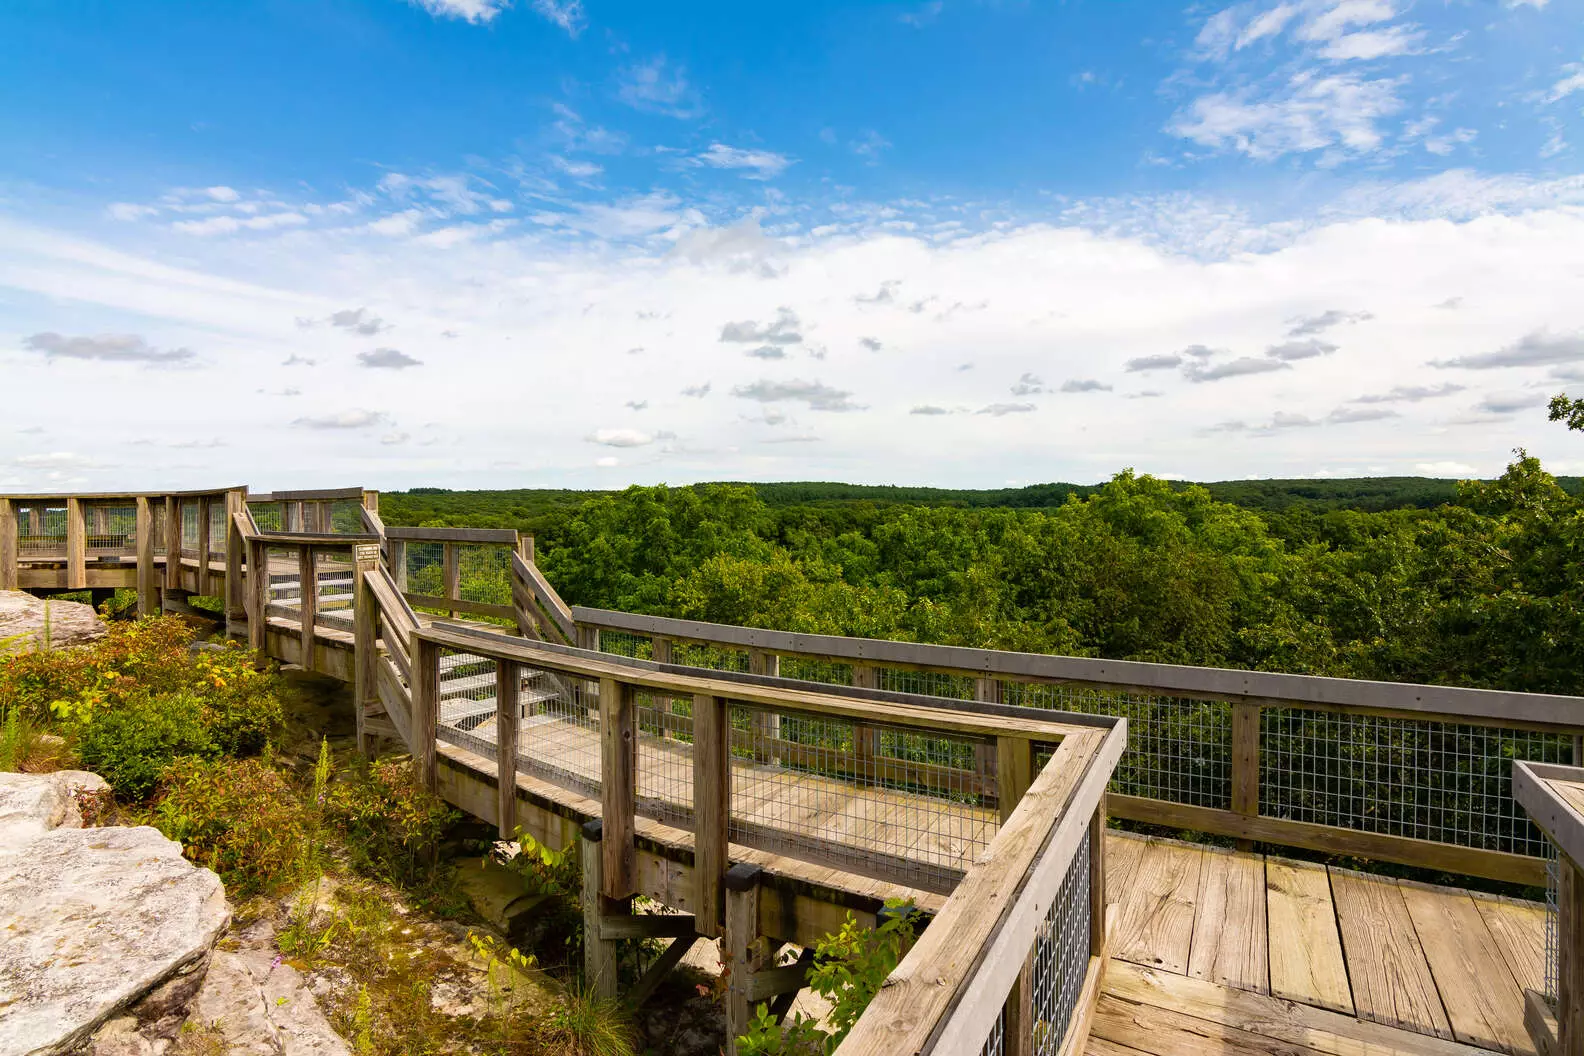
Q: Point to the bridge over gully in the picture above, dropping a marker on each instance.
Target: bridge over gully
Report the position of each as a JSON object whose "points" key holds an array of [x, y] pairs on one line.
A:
{"points": [[760, 785]]}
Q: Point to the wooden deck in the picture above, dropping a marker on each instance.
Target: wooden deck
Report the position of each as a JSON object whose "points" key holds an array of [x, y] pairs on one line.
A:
{"points": [[1221, 952]]}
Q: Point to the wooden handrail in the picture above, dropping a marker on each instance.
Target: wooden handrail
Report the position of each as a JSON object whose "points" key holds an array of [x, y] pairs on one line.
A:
{"points": [[544, 597], [499, 536]]}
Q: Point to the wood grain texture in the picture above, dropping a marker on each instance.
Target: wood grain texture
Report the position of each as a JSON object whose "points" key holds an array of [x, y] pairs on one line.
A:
{"points": [[1306, 962], [1156, 916], [1519, 930], [1483, 1001], [1230, 942], [1392, 982]]}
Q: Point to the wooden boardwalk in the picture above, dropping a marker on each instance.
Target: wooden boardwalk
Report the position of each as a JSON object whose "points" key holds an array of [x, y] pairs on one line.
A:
{"points": [[1222, 952]]}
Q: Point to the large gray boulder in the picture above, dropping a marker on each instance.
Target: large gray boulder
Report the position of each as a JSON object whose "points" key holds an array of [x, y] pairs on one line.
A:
{"points": [[97, 922], [28, 623]]}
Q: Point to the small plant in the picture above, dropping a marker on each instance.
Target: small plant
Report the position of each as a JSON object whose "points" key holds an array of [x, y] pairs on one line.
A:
{"points": [[849, 969], [392, 825], [238, 817], [131, 745], [585, 1025]]}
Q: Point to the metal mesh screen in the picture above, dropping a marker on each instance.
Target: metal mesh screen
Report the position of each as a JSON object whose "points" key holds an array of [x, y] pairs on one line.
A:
{"points": [[485, 574], [334, 594], [1552, 949], [1061, 956], [425, 569], [1178, 750], [1404, 777], [623, 644], [160, 532], [466, 713], [342, 516], [188, 511], [285, 585], [929, 683], [41, 529], [995, 1044], [887, 802], [268, 516], [558, 739], [664, 725], [217, 528], [809, 669], [110, 530]]}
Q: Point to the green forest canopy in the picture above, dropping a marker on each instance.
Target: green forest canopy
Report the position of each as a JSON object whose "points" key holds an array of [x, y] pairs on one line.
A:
{"points": [[1397, 578]]}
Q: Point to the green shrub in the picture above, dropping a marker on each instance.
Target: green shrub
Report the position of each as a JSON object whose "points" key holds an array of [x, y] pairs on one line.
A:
{"points": [[132, 743], [238, 817], [392, 825]]}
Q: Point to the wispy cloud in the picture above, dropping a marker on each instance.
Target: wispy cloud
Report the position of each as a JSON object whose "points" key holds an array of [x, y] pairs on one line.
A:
{"points": [[388, 359], [1000, 410], [756, 164], [784, 331], [109, 348], [697, 392], [1028, 385], [922, 15], [1537, 349], [1411, 393], [1084, 385], [1309, 325], [621, 437], [1164, 361], [660, 88], [568, 14], [475, 11], [348, 419], [1202, 371], [929, 409], [1289, 351], [817, 395]]}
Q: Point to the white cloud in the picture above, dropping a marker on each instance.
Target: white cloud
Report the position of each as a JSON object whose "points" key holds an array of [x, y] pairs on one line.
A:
{"points": [[578, 170], [1266, 24], [658, 87], [568, 14], [1572, 82], [108, 348], [474, 11], [1461, 470], [1373, 44], [388, 359], [621, 437], [354, 418], [1309, 113], [870, 146], [225, 225], [760, 164]]}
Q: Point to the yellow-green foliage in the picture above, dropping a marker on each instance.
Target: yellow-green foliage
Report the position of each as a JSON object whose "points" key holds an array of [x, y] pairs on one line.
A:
{"points": [[391, 824], [238, 817]]}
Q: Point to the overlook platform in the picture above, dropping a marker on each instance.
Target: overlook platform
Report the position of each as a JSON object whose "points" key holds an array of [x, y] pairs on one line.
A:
{"points": [[1217, 951]]}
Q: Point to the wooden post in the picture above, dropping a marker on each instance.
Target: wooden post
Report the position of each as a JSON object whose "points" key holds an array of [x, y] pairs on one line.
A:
{"points": [[365, 654], [425, 707], [525, 548], [1570, 958], [746, 950], [711, 809], [989, 691], [8, 545], [308, 607], [660, 647], [599, 953], [618, 786], [866, 739], [588, 638], [452, 574], [1014, 774], [76, 547], [173, 543], [766, 724], [201, 584], [147, 578], [99, 522], [258, 590], [235, 606], [398, 562], [308, 517], [1245, 763], [508, 706], [1097, 888]]}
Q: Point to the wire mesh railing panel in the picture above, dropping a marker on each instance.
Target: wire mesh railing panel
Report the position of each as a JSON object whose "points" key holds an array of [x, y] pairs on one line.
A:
{"points": [[188, 512], [465, 716], [811, 669], [620, 643], [995, 1044], [41, 529], [929, 683], [217, 529], [484, 574], [558, 737], [425, 569], [715, 657], [110, 530], [1179, 750], [887, 801], [1552, 948], [342, 517], [268, 516], [664, 725], [285, 583], [161, 534], [1416, 778], [334, 579], [1061, 956]]}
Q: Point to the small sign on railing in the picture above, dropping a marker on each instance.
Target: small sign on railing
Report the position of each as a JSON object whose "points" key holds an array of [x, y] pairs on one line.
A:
{"points": [[366, 552]]}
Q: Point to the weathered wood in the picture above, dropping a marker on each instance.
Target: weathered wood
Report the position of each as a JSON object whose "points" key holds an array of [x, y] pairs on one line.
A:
{"points": [[308, 604], [1570, 958], [1245, 763], [1519, 931], [173, 544], [8, 543], [1077, 1037], [365, 622], [1229, 932], [1306, 962], [76, 546], [425, 707], [147, 573], [1540, 1023], [1426, 854], [497, 536], [1099, 937], [1014, 772], [235, 589], [711, 809], [508, 710], [396, 555], [1483, 1002], [1156, 922], [258, 590], [203, 546], [452, 606], [618, 785], [746, 951], [1391, 980], [551, 604], [451, 578], [662, 966]]}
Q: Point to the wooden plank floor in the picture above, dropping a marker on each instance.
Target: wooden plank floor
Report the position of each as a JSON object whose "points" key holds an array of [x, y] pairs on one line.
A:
{"points": [[1215, 951]]}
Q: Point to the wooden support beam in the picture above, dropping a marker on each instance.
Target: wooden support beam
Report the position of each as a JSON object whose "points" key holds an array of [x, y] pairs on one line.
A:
{"points": [[618, 786], [1245, 763], [397, 551], [646, 926], [365, 654], [425, 707], [525, 548], [508, 709], [308, 611], [1014, 772], [258, 591], [660, 969], [235, 590], [147, 576], [866, 739], [76, 546], [746, 951], [1097, 882], [451, 573], [1570, 958], [8, 545], [599, 953], [711, 808], [173, 542]]}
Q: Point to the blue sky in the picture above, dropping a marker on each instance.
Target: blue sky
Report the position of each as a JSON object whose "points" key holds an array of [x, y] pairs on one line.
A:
{"points": [[552, 242]]}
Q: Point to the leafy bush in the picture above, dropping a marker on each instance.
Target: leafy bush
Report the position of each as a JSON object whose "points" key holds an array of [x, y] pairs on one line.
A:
{"points": [[238, 817], [131, 744], [392, 824]]}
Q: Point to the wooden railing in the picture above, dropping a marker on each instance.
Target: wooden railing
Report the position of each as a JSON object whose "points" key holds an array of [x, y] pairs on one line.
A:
{"points": [[1554, 798], [1414, 774]]}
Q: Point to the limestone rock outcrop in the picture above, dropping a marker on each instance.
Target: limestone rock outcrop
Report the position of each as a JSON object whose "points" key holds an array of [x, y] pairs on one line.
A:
{"points": [[28, 623]]}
